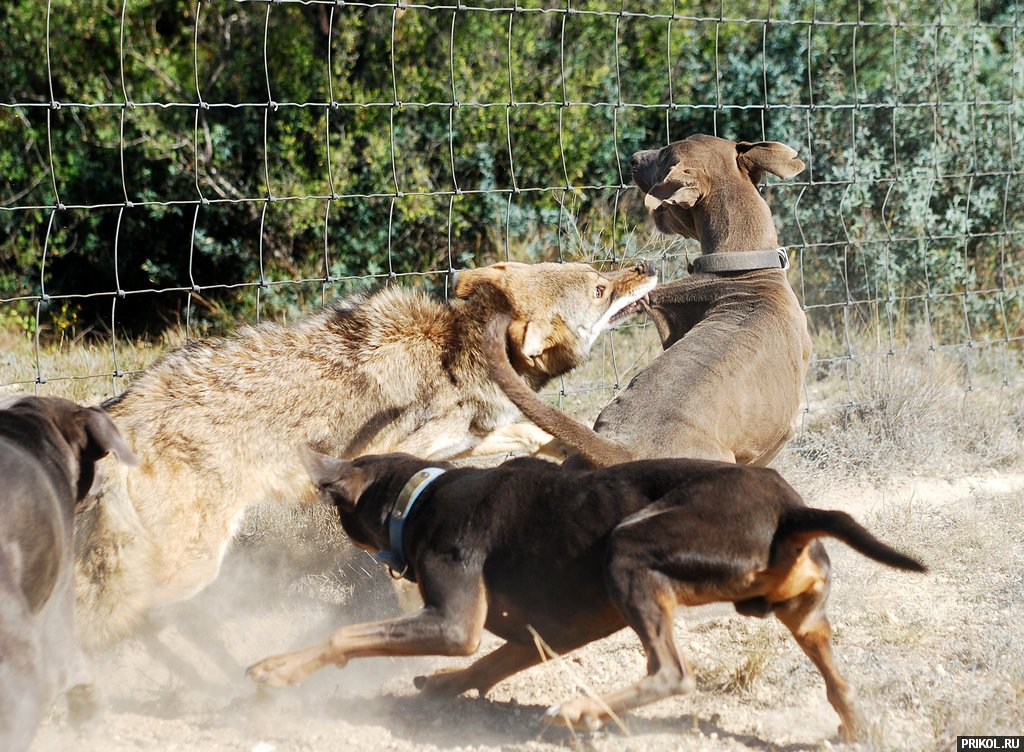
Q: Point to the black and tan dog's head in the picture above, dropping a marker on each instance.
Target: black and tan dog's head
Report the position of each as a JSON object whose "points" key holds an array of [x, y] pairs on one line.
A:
{"points": [[557, 310], [680, 178], [362, 490], [83, 434]]}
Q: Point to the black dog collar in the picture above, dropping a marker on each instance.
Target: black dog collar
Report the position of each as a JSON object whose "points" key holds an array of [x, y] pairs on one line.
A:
{"points": [[741, 261], [395, 558]]}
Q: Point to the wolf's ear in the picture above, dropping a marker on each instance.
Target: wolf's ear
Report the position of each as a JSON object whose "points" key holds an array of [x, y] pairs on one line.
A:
{"points": [[468, 280], [103, 434], [677, 189], [767, 156], [529, 337]]}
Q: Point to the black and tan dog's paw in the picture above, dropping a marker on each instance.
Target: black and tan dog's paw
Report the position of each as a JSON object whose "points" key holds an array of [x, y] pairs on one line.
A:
{"points": [[282, 670], [581, 712], [444, 683]]}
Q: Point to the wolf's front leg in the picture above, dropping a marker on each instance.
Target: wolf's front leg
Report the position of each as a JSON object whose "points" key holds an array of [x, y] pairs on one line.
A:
{"points": [[450, 624], [516, 438]]}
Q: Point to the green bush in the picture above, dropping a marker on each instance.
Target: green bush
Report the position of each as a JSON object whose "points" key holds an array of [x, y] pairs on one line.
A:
{"points": [[907, 211]]}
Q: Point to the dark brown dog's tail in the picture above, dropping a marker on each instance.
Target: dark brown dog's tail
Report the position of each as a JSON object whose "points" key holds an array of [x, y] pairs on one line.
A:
{"points": [[805, 523], [594, 448]]}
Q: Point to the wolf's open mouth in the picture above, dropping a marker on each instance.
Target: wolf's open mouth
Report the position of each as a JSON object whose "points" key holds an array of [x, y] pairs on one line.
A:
{"points": [[628, 312]]}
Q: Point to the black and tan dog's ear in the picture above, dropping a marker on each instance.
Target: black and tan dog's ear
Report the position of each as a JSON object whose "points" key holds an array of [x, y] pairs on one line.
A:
{"points": [[679, 188], [468, 280], [767, 156], [323, 469], [334, 475], [103, 434]]}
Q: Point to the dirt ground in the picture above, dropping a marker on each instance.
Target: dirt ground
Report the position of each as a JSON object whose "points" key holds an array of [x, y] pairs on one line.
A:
{"points": [[932, 656]]}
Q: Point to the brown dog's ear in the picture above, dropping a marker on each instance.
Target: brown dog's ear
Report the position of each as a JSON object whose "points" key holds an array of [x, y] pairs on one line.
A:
{"points": [[677, 189], [468, 280], [337, 475], [767, 156], [104, 435]]}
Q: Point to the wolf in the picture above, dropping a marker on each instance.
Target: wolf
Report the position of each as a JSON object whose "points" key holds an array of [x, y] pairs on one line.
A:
{"points": [[217, 423]]}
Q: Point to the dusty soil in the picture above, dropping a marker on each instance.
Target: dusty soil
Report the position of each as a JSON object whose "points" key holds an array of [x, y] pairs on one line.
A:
{"points": [[932, 656]]}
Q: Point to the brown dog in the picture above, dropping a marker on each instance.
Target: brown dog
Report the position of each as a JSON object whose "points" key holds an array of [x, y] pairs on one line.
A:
{"points": [[578, 555], [218, 422], [729, 383], [48, 449]]}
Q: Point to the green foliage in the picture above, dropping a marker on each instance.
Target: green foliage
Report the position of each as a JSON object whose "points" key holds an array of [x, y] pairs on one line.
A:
{"points": [[904, 209]]}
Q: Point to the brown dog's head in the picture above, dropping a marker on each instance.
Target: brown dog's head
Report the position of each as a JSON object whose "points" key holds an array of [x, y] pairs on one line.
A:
{"points": [[699, 186], [82, 434], [557, 310]]}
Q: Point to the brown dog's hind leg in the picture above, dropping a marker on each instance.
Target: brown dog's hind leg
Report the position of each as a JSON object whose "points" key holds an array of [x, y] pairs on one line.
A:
{"points": [[805, 618], [510, 658], [450, 624], [647, 603]]}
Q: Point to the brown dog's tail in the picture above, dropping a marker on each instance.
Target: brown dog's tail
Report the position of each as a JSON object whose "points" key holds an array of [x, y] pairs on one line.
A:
{"points": [[594, 448], [805, 523]]}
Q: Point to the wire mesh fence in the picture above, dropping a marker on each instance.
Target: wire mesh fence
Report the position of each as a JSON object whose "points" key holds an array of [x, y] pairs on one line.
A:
{"points": [[199, 162]]}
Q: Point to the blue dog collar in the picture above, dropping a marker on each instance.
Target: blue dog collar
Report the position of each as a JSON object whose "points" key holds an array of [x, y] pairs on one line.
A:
{"points": [[395, 558]]}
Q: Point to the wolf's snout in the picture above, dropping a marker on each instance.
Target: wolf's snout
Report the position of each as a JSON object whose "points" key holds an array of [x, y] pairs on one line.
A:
{"points": [[646, 269]]}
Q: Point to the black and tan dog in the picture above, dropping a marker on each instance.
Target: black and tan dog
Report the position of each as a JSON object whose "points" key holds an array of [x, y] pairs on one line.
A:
{"points": [[578, 555], [48, 451]]}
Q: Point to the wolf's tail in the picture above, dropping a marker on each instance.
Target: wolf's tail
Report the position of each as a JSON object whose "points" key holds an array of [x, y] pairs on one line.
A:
{"points": [[597, 450], [805, 523]]}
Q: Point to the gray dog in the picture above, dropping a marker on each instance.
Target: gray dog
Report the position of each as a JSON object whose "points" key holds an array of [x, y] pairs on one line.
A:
{"points": [[48, 451]]}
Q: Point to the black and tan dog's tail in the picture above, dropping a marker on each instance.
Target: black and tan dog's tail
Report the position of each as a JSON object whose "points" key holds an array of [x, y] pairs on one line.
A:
{"points": [[597, 450], [805, 523]]}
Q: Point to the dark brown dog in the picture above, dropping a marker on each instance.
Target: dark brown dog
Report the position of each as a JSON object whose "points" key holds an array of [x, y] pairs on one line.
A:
{"points": [[48, 449], [578, 555], [729, 383]]}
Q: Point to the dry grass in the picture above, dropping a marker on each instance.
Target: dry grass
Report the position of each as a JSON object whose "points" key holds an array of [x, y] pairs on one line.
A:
{"points": [[873, 414]]}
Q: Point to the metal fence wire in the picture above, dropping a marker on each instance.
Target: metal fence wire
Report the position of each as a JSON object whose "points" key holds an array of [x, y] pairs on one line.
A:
{"points": [[503, 130]]}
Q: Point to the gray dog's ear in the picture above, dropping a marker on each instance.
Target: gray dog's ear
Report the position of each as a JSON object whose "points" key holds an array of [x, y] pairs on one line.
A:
{"points": [[767, 156], [104, 434], [679, 188]]}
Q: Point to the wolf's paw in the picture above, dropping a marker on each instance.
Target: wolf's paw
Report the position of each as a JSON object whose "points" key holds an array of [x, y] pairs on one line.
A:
{"points": [[852, 730], [84, 704], [580, 712]]}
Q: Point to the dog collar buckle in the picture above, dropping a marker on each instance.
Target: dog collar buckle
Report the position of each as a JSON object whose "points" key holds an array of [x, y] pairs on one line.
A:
{"points": [[394, 558]]}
